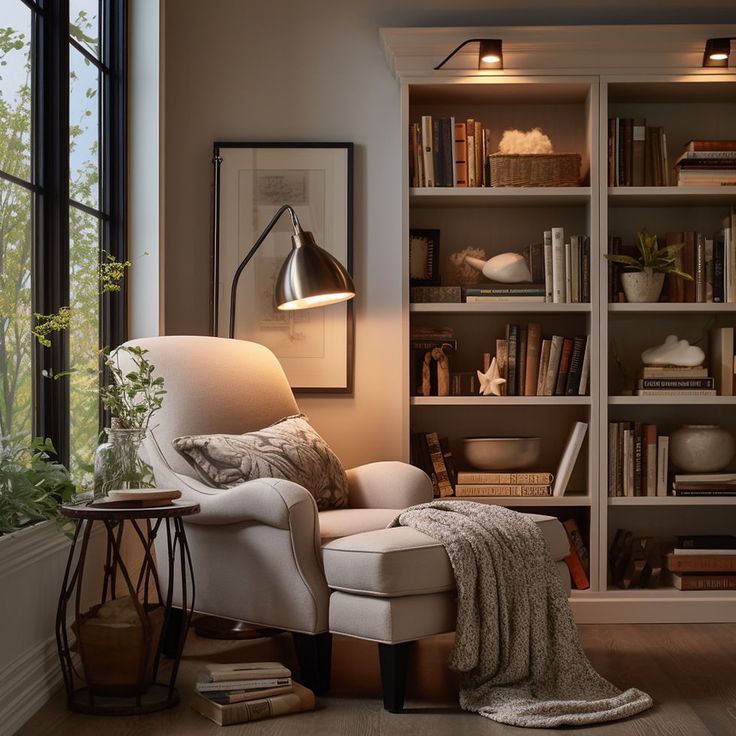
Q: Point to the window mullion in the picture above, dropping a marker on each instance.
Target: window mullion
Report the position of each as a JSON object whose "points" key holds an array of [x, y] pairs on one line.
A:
{"points": [[51, 247]]}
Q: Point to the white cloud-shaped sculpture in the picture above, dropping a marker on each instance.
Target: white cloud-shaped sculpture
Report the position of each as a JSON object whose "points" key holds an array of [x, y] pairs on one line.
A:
{"points": [[506, 268], [674, 351]]}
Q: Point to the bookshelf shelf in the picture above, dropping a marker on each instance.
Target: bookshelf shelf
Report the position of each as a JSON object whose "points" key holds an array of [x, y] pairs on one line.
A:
{"points": [[672, 400], [672, 501], [673, 308], [670, 196], [486, 401], [498, 196], [514, 501], [502, 307]]}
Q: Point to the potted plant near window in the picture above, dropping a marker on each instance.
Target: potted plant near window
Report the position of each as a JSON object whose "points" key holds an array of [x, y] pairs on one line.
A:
{"points": [[132, 397], [643, 279]]}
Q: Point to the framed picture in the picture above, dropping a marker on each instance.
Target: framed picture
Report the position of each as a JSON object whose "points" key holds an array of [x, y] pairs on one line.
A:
{"points": [[424, 257], [252, 180]]}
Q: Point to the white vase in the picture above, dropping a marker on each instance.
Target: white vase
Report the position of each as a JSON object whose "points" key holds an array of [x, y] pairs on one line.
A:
{"points": [[642, 286], [701, 448]]}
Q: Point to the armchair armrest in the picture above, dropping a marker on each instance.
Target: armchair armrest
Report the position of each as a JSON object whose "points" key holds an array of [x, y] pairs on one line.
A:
{"points": [[388, 485]]}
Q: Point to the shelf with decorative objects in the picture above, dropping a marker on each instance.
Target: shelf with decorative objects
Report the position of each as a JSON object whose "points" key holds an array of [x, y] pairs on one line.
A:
{"points": [[631, 76]]}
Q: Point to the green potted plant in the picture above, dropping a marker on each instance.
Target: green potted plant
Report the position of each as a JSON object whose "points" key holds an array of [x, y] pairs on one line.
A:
{"points": [[132, 396], [643, 279]]}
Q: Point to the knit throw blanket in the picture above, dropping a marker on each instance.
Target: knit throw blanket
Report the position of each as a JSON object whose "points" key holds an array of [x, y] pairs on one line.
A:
{"points": [[516, 642]]}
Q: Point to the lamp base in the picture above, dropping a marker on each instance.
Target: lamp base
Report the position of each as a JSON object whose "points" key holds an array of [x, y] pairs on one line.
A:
{"points": [[214, 627]]}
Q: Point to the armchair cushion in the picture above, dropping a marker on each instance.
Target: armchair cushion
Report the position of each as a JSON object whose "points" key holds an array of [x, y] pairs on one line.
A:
{"points": [[289, 449]]}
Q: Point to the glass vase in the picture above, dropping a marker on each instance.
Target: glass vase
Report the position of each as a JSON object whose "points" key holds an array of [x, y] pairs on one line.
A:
{"points": [[118, 464]]}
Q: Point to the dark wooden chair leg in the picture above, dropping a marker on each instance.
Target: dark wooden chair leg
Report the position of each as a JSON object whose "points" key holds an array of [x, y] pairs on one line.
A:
{"points": [[394, 660], [314, 654], [171, 637]]}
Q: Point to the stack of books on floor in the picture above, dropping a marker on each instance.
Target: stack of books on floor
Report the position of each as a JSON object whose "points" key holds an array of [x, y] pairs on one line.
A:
{"points": [[708, 484], [675, 381], [238, 693], [708, 564], [707, 163]]}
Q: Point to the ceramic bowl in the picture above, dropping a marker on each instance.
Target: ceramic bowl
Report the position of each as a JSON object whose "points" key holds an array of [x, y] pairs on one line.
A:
{"points": [[502, 453]]}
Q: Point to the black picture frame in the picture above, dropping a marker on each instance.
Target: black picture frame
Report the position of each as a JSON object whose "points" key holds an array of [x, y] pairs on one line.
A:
{"points": [[424, 257], [318, 179]]}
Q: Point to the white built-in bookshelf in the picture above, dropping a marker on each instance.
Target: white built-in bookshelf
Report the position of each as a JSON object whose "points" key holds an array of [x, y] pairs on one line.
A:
{"points": [[569, 81]]}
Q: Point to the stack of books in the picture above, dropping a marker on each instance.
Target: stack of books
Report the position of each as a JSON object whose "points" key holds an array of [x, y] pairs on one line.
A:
{"points": [[675, 381], [708, 484], [707, 163], [537, 366], [703, 568], [638, 458], [504, 293], [480, 483], [237, 693]]}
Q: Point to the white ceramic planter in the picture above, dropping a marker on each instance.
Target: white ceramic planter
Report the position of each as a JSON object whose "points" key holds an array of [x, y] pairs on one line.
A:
{"points": [[701, 448], [642, 286]]}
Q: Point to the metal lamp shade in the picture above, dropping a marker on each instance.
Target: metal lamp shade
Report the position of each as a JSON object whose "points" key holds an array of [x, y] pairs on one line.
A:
{"points": [[311, 277]]}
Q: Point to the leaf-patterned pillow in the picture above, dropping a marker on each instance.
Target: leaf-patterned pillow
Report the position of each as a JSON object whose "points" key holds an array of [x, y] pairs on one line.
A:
{"points": [[290, 449]]}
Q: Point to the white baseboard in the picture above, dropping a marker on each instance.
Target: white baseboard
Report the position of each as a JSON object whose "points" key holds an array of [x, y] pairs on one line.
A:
{"points": [[27, 683]]}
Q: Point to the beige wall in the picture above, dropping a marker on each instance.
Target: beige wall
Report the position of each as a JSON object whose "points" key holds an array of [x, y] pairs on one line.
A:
{"points": [[293, 70]]}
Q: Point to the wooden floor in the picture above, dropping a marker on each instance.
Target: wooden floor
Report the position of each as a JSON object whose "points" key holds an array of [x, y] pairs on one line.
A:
{"points": [[690, 671]]}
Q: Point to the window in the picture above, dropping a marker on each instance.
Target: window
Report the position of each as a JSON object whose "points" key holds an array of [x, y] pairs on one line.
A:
{"points": [[62, 113]]}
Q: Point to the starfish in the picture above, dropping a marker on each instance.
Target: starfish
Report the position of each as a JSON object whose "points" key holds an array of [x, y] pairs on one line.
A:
{"points": [[491, 381]]}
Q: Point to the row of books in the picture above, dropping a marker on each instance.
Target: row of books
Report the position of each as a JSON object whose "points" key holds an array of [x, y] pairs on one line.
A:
{"points": [[432, 453], [448, 153], [707, 163], [637, 154], [534, 365], [638, 459], [250, 691], [695, 562], [711, 261]]}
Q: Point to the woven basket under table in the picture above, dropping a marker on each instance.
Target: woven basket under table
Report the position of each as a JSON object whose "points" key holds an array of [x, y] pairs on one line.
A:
{"points": [[535, 170]]}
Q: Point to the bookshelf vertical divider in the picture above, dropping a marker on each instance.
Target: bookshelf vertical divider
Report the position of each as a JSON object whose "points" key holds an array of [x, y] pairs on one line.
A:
{"points": [[573, 108]]}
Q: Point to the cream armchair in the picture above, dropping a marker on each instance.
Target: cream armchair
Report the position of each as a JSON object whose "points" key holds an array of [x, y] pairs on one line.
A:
{"points": [[256, 548]]}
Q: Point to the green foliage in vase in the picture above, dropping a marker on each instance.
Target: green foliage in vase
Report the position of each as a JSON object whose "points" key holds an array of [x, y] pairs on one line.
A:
{"points": [[32, 484], [651, 256], [132, 396]]}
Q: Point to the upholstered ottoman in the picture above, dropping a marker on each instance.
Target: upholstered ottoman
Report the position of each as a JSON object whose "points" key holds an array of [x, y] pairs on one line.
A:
{"points": [[394, 586]]}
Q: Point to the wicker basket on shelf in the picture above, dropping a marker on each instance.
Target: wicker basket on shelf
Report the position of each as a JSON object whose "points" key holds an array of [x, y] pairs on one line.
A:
{"points": [[535, 170]]}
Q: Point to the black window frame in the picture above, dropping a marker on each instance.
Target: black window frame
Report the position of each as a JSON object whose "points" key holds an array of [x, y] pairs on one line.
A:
{"points": [[49, 186]]}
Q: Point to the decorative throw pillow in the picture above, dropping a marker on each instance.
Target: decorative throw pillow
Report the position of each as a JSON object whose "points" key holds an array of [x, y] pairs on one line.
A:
{"points": [[290, 449]]}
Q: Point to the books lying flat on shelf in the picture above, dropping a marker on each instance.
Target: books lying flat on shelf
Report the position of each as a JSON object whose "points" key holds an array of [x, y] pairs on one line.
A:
{"points": [[710, 166], [491, 489], [703, 581], [569, 458], [476, 477], [299, 700], [706, 541], [703, 563], [715, 484]]}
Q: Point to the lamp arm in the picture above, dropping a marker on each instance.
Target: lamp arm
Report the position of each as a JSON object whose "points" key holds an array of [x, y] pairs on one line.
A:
{"points": [[251, 253], [454, 51]]}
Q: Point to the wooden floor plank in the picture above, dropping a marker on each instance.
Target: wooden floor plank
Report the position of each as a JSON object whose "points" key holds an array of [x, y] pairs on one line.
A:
{"points": [[690, 671]]}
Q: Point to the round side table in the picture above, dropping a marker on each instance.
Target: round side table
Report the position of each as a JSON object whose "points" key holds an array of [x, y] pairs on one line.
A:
{"points": [[119, 640]]}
